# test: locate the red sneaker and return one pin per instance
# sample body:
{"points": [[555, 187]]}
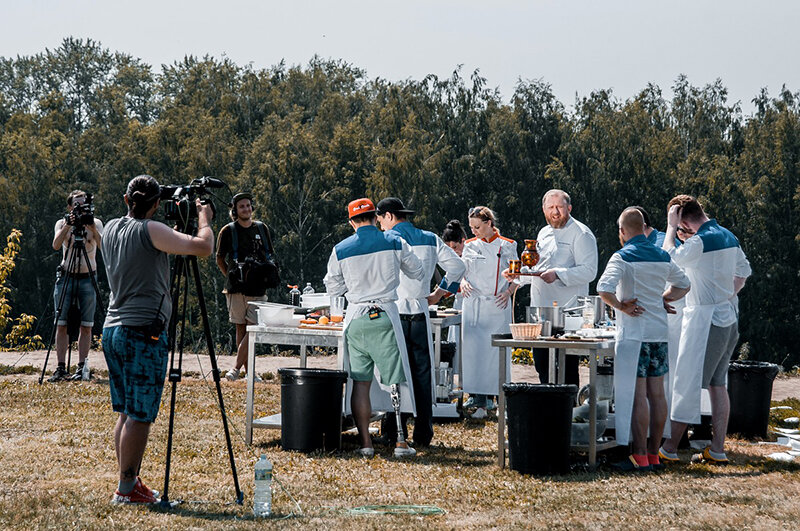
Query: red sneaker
{"points": [[137, 495], [144, 489]]}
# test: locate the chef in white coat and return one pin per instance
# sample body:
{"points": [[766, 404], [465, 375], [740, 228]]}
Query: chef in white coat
{"points": [[717, 267], [366, 268], [633, 283], [414, 297], [487, 308], [567, 263]]}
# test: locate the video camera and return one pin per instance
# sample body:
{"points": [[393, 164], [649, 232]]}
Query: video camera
{"points": [[81, 214], [179, 201]]}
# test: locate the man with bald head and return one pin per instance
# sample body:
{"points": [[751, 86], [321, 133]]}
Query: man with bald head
{"points": [[633, 284], [567, 263]]}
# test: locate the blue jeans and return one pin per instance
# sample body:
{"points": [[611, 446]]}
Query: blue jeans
{"points": [[84, 296]]}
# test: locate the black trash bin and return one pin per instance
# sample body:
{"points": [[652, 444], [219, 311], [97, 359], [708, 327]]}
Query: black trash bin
{"points": [[311, 409], [750, 392], [539, 426]]}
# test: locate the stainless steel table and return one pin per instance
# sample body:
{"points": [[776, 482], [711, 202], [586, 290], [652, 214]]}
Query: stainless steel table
{"points": [[282, 335], [441, 409], [592, 348]]}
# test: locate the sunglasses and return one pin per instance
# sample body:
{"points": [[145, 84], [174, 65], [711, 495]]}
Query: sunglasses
{"points": [[685, 231]]}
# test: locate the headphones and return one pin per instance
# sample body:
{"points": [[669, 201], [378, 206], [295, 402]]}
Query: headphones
{"points": [[235, 199]]}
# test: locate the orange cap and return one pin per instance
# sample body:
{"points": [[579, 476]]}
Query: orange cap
{"points": [[360, 206]]}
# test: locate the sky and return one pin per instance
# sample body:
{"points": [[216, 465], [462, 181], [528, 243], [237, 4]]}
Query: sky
{"points": [[576, 46]]}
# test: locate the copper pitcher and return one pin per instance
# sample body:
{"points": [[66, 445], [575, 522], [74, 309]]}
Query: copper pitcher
{"points": [[530, 256]]}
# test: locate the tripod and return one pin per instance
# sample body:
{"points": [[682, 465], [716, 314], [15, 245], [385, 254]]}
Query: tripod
{"points": [[77, 252], [182, 268]]}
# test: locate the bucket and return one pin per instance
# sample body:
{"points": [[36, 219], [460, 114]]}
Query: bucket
{"points": [[750, 392], [539, 426], [311, 409]]}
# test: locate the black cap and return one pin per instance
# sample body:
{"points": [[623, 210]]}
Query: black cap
{"points": [[238, 197], [393, 205]]}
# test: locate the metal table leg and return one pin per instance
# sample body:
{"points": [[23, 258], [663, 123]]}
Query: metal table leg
{"points": [[592, 410], [251, 370], [501, 412]]}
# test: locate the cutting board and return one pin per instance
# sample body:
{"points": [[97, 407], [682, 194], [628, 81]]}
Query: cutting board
{"points": [[321, 327]]}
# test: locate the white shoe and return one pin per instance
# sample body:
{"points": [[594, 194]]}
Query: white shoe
{"points": [[480, 413], [257, 378], [232, 375], [404, 451], [366, 452]]}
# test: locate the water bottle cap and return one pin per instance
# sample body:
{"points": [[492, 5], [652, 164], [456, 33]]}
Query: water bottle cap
{"points": [[264, 457]]}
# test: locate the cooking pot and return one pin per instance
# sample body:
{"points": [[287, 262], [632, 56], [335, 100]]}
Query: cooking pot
{"points": [[554, 314]]}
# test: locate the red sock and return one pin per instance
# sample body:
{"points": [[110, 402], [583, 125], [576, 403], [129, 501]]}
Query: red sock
{"points": [[653, 459], [641, 460]]}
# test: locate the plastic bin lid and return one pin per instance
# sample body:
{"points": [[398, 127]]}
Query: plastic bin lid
{"points": [[524, 387], [299, 372], [757, 367]]}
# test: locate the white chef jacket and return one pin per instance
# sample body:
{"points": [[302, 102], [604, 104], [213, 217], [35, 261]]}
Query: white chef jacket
{"points": [[485, 260], [572, 252], [431, 250], [366, 267], [640, 271], [711, 259]]}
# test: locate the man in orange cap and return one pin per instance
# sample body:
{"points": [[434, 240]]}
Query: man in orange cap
{"points": [[366, 269]]}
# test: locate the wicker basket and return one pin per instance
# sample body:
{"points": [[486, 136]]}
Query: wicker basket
{"points": [[526, 330]]}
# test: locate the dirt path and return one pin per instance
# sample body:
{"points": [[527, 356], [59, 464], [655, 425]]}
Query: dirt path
{"points": [[782, 388]]}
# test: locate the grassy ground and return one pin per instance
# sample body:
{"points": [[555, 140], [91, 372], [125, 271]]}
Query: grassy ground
{"points": [[58, 470]]}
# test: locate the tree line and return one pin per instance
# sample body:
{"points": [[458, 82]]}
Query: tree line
{"points": [[307, 139]]}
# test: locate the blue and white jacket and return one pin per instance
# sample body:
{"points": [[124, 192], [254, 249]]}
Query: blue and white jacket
{"points": [[711, 259], [640, 270], [431, 250], [366, 267]]}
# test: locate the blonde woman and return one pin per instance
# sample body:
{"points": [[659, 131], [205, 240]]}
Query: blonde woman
{"points": [[487, 307]]}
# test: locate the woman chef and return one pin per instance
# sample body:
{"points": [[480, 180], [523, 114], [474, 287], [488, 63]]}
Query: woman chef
{"points": [[487, 308]]}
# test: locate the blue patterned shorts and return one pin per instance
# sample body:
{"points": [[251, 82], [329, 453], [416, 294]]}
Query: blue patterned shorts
{"points": [[136, 371], [653, 360]]}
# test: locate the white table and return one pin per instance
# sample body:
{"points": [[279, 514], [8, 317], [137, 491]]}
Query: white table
{"points": [[282, 335], [593, 349]]}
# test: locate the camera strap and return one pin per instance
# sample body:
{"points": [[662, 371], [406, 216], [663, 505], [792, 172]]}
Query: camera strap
{"points": [[265, 239]]}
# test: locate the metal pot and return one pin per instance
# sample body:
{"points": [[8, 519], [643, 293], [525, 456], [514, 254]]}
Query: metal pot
{"points": [[554, 314]]}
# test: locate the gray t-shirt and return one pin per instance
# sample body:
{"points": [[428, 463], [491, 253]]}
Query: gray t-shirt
{"points": [[138, 274]]}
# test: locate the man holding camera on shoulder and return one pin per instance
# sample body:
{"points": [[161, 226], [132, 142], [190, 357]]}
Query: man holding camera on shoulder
{"points": [[78, 223], [136, 254], [245, 256]]}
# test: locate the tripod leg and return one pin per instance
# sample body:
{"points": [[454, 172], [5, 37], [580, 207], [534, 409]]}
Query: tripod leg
{"points": [[174, 373], [71, 261], [215, 373]]}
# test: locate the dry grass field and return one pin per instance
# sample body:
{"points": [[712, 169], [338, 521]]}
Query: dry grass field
{"points": [[58, 471]]}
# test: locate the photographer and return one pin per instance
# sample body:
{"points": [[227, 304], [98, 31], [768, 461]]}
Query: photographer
{"points": [[244, 251], [135, 251], [79, 221]]}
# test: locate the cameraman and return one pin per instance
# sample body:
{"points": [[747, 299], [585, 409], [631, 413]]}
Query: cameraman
{"points": [[135, 251], [78, 283], [244, 283]]}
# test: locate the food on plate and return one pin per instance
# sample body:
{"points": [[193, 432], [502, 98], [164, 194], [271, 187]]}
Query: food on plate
{"points": [[308, 321], [324, 320]]}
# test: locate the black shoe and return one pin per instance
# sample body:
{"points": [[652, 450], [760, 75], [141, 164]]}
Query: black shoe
{"points": [[78, 376], [59, 374]]}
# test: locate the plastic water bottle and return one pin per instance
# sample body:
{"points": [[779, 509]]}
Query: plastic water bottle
{"points": [[262, 495], [86, 373], [294, 296], [309, 289]]}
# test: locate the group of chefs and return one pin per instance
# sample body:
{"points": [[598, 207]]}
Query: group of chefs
{"points": [[674, 294]]}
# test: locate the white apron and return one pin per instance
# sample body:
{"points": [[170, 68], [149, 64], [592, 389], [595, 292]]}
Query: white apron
{"points": [[626, 360], [674, 325], [481, 363], [688, 378], [379, 394]]}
